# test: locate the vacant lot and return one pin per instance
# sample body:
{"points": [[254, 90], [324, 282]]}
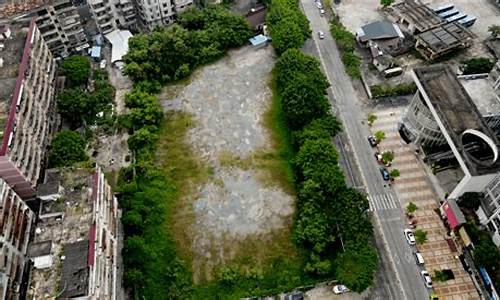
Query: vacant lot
{"points": [[233, 210]]}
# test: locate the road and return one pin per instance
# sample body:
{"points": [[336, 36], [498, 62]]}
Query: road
{"points": [[387, 212]]}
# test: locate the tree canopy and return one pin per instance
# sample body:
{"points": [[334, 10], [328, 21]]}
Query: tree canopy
{"points": [[477, 65], [76, 69], [66, 149]]}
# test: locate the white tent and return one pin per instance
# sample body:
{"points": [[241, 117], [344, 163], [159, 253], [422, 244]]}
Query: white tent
{"points": [[119, 43]]}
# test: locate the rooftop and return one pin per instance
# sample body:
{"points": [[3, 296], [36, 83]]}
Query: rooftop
{"points": [[380, 30], [12, 39], [457, 115], [419, 15], [13, 7], [39, 249], [444, 37], [481, 91], [66, 222]]}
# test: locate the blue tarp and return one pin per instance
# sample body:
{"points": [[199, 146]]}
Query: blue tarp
{"points": [[258, 40], [95, 52]]}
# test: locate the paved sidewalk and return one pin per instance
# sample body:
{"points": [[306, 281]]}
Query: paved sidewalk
{"points": [[413, 186]]}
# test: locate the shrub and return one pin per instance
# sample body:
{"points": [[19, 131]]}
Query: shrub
{"points": [[66, 149], [411, 207], [371, 119], [379, 136], [379, 91], [420, 236], [478, 65]]}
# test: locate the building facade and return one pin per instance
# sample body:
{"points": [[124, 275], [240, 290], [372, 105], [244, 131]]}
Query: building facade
{"points": [[111, 15], [489, 210], [84, 229], [16, 220], [154, 13], [28, 115], [58, 21]]}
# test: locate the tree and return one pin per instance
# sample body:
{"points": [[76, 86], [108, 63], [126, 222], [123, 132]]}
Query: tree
{"points": [[66, 149], [494, 30], [357, 266], [477, 65], [76, 69], [470, 200], [420, 236], [379, 136], [323, 128], [411, 207], [386, 3], [314, 154], [286, 35], [486, 254], [394, 173], [387, 157], [371, 119], [72, 105], [142, 138]]}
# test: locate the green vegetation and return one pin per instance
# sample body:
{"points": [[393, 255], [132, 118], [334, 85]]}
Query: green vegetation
{"points": [[411, 207], [394, 174], [172, 53], [386, 3], [442, 275], [494, 30], [329, 214], [288, 27], [380, 91], [470, 200], [66, 149], [371, 119], [420, 236], [346, 41], [76, 69], [478, 65], [387, 157], [379, 136]]}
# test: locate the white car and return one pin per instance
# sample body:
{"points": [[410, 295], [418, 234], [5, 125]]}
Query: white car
{"points": [[319, 5], [409, 236], [321, 35], [340, 289], [427, 279], [322, 12], [102, 65]]}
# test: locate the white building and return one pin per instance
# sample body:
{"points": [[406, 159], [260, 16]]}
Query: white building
{"points": [[154, 13], [111, 15]]}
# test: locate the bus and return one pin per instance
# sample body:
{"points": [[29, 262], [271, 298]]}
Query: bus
{"points": [[443, 8]]}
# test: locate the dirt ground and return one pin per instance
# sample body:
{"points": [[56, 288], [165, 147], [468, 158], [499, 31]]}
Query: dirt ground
{"points": [[236, 207]]}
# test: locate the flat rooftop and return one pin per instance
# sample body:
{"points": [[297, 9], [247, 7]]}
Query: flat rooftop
{"points": [[444, 37], [10, 60], [419, 15], [481, 91], [456, 111], [9, 8], [66, 224]]}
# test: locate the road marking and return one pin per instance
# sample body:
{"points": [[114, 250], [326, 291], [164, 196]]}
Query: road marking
{"points": [[382, 202]]}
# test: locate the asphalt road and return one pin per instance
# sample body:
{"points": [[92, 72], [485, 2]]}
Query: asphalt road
{"points": [[389, 222]]}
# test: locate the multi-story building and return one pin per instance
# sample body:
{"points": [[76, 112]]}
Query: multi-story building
{"points": [[154, 13], [77, 230], [57, 20], [111, 15], [16, 221], [489, 210], [27, 112]]}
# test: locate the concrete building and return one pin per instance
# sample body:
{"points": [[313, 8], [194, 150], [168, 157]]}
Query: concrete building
{"points": [[386, 35], [111, 15], [16, 221], [442, 40], [27, 112], [154, 13], [77, 230], [57, 20], [489, 210], [416, 17], [442, 112]]}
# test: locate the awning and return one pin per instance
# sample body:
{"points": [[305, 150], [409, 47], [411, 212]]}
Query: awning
{"points": [[453, 213], [464, 236], [95, 52]]}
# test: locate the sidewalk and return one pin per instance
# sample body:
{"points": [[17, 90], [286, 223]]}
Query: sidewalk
{"points": [[413, 185]]}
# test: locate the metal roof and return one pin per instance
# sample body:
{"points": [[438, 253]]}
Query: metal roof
{"points": [[379, 30]]}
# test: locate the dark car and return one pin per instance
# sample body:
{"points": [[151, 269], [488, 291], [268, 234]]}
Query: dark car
{"points": [[385, 174], [372, 141], [295, 296]]}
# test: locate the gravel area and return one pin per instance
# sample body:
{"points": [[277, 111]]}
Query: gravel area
{"points": [[228, 100]]}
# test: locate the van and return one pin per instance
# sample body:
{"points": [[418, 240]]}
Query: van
{"points": [[419, 258], [393, 72]]}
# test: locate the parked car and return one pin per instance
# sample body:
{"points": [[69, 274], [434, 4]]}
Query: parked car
{"points": [[319, 5], [427, 279], [322, 12], [419, 258], [372, 140], [385, 174], [321, 35], [102, 65], [410, 238], [340, 289], [295, 296]]}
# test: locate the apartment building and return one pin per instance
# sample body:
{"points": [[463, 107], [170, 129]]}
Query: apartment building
{"points": [[77, 230], [16, 221], [27, 113], [111, 15], [489, 210], [58, 22], [154, 13]]}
